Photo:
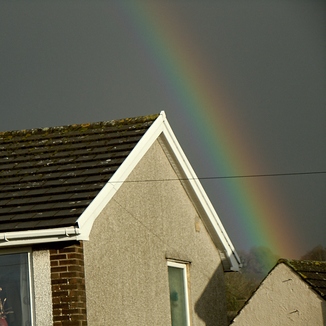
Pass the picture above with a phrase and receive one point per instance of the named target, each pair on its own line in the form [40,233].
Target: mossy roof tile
[312,272]
[49,176]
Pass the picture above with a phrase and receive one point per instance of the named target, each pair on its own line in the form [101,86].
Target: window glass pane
[177,296]
[14,294]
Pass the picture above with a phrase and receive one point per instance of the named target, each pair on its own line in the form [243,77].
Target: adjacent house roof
[54,182]
[312,272]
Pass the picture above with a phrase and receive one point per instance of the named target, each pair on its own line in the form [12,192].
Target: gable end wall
[283,298]
[149,220]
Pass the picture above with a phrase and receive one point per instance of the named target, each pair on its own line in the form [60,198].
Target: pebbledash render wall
[149,221]
[283,299]
[41,286]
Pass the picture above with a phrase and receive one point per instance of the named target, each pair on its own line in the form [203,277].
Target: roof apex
[59,179]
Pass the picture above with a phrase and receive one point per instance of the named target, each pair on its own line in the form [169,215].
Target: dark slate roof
[49,176]
[312,272]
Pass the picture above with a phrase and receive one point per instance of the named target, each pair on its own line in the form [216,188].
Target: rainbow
[180,68]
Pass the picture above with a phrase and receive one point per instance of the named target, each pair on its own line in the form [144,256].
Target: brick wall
[68,284]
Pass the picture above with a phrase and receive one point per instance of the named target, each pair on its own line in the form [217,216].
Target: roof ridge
[77,127]
[303,261]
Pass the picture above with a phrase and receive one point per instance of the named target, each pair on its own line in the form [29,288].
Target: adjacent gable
[311,272]
[286,297]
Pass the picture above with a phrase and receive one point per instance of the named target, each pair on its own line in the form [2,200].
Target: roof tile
[312,272]
[49,176]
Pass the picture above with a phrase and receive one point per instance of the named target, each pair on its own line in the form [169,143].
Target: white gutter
[19,238]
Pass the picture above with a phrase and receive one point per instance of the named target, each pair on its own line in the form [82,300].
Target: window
[15,305]
[178,294]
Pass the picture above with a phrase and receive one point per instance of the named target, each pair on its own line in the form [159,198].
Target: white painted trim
[200,197]
[184,268]
[86,220]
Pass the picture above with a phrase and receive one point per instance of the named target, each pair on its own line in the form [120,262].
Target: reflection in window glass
[15,295]
[178,295]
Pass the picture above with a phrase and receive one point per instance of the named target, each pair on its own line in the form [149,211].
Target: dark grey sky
[65,62]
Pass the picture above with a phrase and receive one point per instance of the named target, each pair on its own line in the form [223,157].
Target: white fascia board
[23,238]
[200,198]
[86,220]
[160,127]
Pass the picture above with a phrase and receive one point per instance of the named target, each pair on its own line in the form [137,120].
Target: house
[293,293]
[107,224]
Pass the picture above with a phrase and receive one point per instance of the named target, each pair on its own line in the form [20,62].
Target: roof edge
[198,195]
[201,201]
[86,220]
[290,263]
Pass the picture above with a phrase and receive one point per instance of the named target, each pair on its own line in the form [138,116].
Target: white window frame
[28,251]
[184,267]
